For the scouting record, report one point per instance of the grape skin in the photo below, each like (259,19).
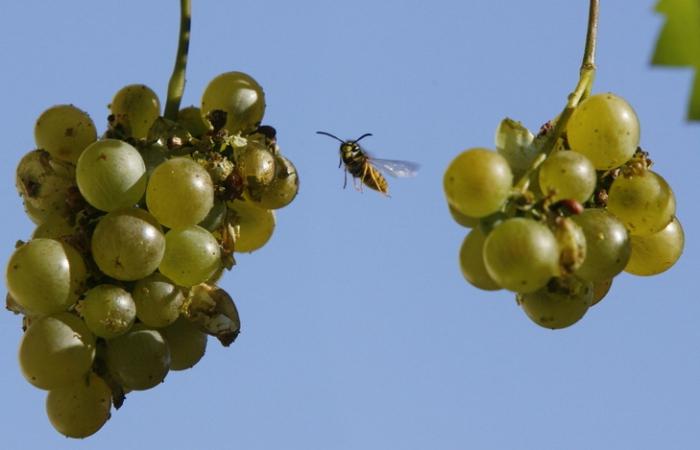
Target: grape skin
(255,226)
(191,256)
(658,252)
(108,310)
(79,410)
(139,359)
(239,96)
(560,304)
(567,175)
(471,261)
(64,131)
(186,342)
(607,245)
(157,300)
(135,107)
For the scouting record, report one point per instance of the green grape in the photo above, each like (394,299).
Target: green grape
(180,193)
(44,184)
(79,409)
(257,166)
(477,182)
(128,244)
(239,96)
(559,304)
(139,359)
(55,226)
(567,175)
(186,342)
(111,174)
(656,253)
(108,310)
(216,217)
(158,300)
(514,143)
(45,276)
(471,261)
(521,255)
(605,128)
(644,202)
(607,245)
(192,255)
(64,131)
(135,107)
(282,189)
(254,226)
(191,119)
(462,219)
(56,350)
(600,290)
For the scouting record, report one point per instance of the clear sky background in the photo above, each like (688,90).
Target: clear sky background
(358,329)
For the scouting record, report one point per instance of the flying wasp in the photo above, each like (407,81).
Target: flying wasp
(365,168)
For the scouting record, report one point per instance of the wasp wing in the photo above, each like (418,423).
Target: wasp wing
(396,168)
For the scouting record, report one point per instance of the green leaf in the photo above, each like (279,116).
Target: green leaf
(679,43)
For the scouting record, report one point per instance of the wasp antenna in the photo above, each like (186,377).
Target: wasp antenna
(362,137)
(330,135)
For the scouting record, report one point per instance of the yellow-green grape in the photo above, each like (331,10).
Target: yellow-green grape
(605,128)
(477,182)
(111,174)
(64,131)
(158,300)
(514,143)
(463,219)
(108,310)
(643,201)
(79,410)
(135,107)
(559,304)
(180,193)
(607,245)
(257,166)
(44,183)
(56,350)
(128,244)
(239,96)
(55,226)
(521,255)
(471,261)
(139,359)
(656,253)
(567,175)
(600,290)
(45,276)
(191,257)
(186,342)
(191,119)
(254,226)
(283,188)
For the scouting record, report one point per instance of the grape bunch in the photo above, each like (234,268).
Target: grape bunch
(117,284)
(556,225)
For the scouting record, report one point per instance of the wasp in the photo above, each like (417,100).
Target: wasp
(365,168)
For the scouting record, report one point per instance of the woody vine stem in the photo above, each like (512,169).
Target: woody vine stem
(582,90)
(177,80)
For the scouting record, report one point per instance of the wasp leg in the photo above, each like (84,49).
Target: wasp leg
(345,181)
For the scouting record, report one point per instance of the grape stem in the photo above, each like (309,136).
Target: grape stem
(177,80)
(582,90)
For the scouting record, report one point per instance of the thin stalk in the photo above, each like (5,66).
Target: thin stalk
(177,80)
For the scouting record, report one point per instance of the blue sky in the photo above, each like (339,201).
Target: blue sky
(358,329)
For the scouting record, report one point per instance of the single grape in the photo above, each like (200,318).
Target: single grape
(239,96)
(56,350)
(55,226)
(108,310)
(135,107)
(605,128)
(158,300)
(282,189)
(643,201)
(192,255)
(111,174)
(559,304)
(462,219)
(186,342)
(607,245)
(257,166)
(79,409)
(567,175)
(180,193)
(128,244)
(254,226)
(600,290)
(471,261)
(514,143)
(44,184)
(45,276)
(64,131)
(139,359)
(191,119)
(656,253)
(477,182)
(521,255)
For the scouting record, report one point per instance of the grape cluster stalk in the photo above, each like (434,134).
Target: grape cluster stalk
(118,283)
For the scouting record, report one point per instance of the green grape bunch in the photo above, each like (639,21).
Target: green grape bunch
(118,283)
(554,218)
